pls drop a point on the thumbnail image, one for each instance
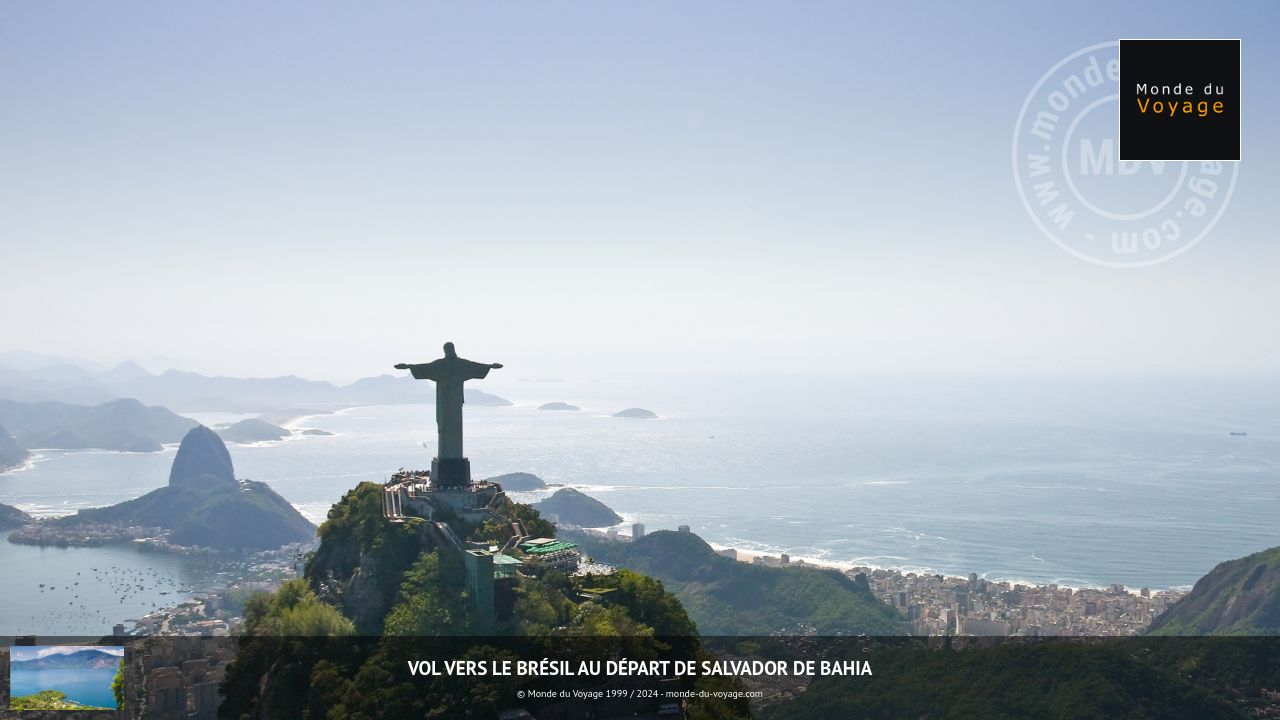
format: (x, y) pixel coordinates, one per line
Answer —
(64, 677)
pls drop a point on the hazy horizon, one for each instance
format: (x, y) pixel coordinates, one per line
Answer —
(27, 361)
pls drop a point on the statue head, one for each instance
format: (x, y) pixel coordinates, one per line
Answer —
(449, 351)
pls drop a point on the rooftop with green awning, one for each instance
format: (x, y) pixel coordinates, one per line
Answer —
(547, 548)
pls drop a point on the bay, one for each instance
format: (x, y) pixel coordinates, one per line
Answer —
(1080, 483)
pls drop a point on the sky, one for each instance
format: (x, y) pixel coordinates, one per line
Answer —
(579, 189)
(21, 654)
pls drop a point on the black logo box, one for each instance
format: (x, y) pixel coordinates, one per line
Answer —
(1185, 67)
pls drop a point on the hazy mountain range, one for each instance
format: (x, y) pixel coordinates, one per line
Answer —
(115, 425)
(52, 402)
(252, 430)
(87, 659)
(28, 378)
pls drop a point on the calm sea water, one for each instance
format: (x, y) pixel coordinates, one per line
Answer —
(88, 687)
(1086, 482)
(86, 591)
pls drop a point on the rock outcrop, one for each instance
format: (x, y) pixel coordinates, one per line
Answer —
(202, 460)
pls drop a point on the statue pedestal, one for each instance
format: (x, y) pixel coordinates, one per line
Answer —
(450, 472)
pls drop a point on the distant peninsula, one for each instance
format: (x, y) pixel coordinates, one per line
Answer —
(727, 597)
(519, 481)
(66, 383)
(253, 430)
(125, 425)
(11, 517)
(577, 508)
(203, 506)
(639, 413)
(11, 453)
(558, 406)
(400, 390)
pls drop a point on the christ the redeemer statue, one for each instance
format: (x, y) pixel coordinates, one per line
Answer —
(450, 468)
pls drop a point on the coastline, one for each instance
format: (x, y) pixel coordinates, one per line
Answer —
(749, 556)
(292, 422)
(936, 604)
(27, 463)
(311, 512)
(845, 566)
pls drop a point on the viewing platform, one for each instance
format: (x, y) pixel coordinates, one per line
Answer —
(410, 493)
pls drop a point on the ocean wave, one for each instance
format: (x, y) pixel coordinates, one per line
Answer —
(1083, 488)
(913, 533)
(52, 452)
(589, 488)
(41, 510)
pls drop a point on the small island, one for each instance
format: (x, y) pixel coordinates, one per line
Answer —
(253, 430)
(558, 406)
(638, 413)
(519, 481)
(315, 432)
(577, 508)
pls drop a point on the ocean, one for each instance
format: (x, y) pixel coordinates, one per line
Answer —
(1083, 482)
(85, 686)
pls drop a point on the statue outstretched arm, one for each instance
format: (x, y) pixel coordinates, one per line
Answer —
(425, 371)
